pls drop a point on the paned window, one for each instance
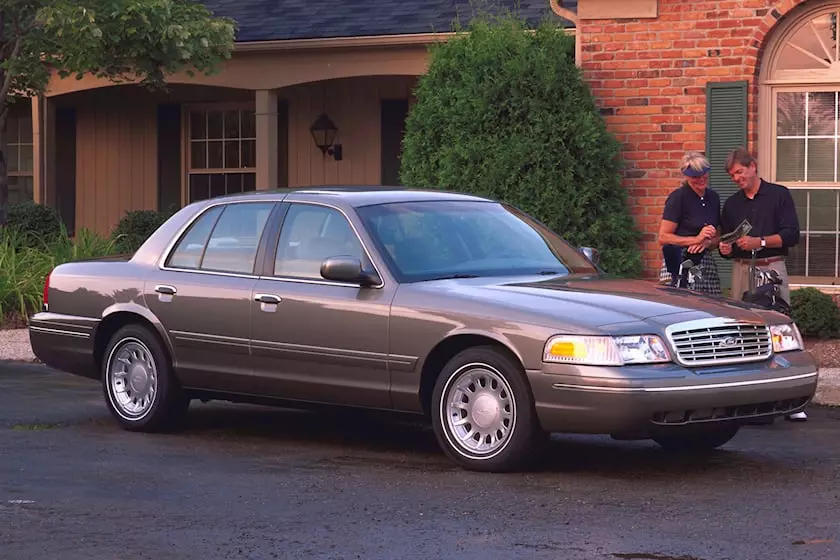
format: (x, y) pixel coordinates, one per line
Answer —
(803, 82)
(222, 151)
(20, 161)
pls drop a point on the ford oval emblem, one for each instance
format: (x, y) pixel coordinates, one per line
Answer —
(729, 341)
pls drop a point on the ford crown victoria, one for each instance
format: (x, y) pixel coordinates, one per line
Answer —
(451, 306)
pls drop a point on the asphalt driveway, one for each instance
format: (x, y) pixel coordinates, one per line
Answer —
(252, 482)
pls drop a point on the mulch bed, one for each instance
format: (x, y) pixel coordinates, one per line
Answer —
(826, 352)
(13, 321)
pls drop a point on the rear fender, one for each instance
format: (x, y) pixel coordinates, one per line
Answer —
(118, 312)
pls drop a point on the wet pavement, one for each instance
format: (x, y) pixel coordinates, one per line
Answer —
(256, 482)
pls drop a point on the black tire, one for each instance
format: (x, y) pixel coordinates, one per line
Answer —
(505, 389)
(166, 407)
(696, 440)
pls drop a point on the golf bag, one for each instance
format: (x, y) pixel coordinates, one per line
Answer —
(764, 289)
(683, 266)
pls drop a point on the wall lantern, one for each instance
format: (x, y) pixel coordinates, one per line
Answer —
(324, 132)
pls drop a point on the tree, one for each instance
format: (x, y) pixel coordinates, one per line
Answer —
(503, 112)
(119, 40)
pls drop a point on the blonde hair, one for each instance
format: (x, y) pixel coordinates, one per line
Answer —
(696, 161)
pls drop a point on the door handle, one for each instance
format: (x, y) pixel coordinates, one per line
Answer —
(267, 298)
(168, 290)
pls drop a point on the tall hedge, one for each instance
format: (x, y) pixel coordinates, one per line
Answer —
(504, 113)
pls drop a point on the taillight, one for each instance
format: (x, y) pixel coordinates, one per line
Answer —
(46, 305)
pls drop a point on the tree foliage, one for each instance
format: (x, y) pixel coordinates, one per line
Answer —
(119, 40)
(503, 112)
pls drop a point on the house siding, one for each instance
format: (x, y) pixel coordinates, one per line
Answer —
(649, 77)
(354, 106)
(116, 163)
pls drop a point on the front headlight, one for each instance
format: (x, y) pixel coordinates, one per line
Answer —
(606, 350)
(786, 338)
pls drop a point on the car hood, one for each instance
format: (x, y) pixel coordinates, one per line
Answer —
(598, 302)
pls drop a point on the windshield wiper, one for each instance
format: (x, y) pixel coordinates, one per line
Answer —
(548, 272)
(454, 277)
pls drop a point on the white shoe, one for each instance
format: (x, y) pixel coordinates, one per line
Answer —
(797, 417)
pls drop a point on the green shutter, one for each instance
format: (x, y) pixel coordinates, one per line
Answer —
(726, 129)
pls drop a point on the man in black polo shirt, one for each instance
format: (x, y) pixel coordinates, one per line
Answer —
(772, 213)
(775, 227)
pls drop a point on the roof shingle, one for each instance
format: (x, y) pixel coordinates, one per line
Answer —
(274, 20)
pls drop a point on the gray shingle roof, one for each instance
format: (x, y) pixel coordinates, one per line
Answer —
(271, 20)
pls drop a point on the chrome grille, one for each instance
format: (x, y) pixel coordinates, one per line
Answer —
(719, 342)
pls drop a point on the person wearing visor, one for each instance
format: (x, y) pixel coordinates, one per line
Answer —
(690, 225)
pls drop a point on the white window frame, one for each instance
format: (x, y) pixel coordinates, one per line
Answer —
(187, 167)
(771, 83)
(22, 119)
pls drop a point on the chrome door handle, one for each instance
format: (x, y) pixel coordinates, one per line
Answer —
(168, 290)
(267, 298)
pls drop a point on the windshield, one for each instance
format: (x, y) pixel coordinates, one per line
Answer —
(451, 239)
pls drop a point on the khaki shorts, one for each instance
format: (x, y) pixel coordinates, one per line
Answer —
(741, 275)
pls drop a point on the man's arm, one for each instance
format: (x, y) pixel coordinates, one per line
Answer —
(788, 235)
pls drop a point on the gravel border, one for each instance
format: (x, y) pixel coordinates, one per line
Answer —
(14, 347)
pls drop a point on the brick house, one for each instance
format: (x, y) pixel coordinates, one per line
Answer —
(674, 75)
(669, 75)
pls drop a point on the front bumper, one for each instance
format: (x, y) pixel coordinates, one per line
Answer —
(639, 400)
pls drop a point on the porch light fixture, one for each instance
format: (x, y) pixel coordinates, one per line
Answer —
(324, 132)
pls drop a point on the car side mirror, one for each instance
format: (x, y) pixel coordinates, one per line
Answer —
(348, 269)
(591, 254)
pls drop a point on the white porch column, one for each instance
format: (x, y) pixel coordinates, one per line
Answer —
(267, 147)
(37, 151)
(43, 151)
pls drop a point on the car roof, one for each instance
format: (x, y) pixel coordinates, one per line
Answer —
(353, 195)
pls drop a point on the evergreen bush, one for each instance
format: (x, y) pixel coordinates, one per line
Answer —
(504, 113)
(34, 225)
(136, 226)
(815, 313)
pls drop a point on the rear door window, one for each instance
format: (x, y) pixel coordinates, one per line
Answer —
(233, 244)
(190, 248)
(224, 239)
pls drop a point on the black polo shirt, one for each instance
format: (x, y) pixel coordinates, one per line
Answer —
(690, 211)
(771, 211)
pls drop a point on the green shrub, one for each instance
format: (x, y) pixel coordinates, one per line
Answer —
(505, 114)
(25, 268)
(815, 313)
(22, 280)
(135, 227)
(35, 224)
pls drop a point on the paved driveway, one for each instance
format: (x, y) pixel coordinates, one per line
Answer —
(251, 482)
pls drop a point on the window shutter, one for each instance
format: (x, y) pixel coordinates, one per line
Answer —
(726, 129)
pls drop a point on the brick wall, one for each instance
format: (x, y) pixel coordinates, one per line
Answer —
(650, 75)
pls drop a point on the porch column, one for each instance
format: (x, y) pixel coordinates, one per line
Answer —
(37, 151)
(43, 151)
(266, 117)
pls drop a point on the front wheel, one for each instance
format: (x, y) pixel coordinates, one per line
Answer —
(140, 389)
(704, 439)
(483, 412)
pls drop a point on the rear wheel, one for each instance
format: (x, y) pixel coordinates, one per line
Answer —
(140, 389)
(704, 439)
(483, 412)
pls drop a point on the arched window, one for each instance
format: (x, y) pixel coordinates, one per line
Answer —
(799, 132)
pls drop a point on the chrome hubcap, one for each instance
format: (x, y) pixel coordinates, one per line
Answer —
(132, 376)
(479, 411)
